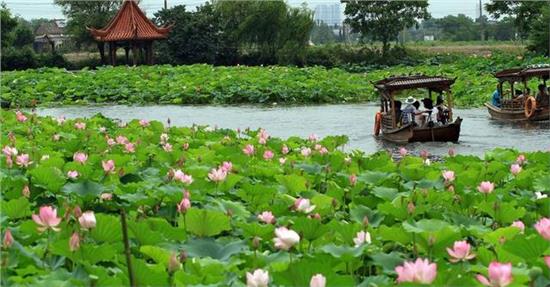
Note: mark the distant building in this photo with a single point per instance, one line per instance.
(428, 37)
(328, 14)
(49, 36)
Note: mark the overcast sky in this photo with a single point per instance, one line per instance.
(29, 9)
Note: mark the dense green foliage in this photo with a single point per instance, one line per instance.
(407, 208)
(204, 84)
(383, 20)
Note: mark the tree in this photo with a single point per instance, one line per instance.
(503, 30)
(524, 13)
(197, 37)
(458, 28)
(7, 25)
(23, 35)
(322, 34)
(83, 14)
(383, 20)
(539, 36)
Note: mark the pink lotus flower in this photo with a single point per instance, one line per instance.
(186, 146)
(20, 117)
(315, 216)
(167, 147)
(285, 238)
(448, 176)
(282, 160)
(184, 205)
(361, 238)
(181, 176)
(353, 179)
(106, 196)
(56, 137)
(80, 125)
(8, 239)
(268, 155)
(130, 147)
(313, 137)
(318, 280)
(317, 147)
(500, 275)
(217, 175)
(111, 142)
(259, 278)
(420, 271)
(303, 205)
(323, 150)
(547, 261)
(122, 140)
(460, 252)
(284, 149)
(102, 129)
(424, 154)
(403, 151)
(26, 192)
(60, 120)
(451, 152)
(108, 166)
(519, 224)
(77, 212)
(144, 123)
(305, 151)
(80, 157)
(74, 242)
(267, 217)
(47, 218)
(87, 220)
(486, 187)
(23, 160)
(515, 169)
(263, 136)
(227, 166)
(9, 151)
(543, 227)
(248, 150)
(164, 138)
(520, 159)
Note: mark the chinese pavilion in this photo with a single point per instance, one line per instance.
(131, 30)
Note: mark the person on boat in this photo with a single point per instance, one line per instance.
(543, 99)
(419, 117)
(496, 98)
(442, 111)
(429, 109)
(398, 113)
(409, 112)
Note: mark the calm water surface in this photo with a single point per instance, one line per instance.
(479, 133)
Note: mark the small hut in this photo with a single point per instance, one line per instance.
(132, 30)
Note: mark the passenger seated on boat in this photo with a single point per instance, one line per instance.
(429, 109)
(419, 117)
(519, 97)
(409, 111)
(496, 98)
(543, 99)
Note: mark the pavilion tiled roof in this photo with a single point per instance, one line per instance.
(130, 23)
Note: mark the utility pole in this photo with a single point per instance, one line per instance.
(481, 22)
(165, 4)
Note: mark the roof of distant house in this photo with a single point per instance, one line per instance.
(53, 27)
(130, 23)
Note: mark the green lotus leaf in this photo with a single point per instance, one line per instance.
(293, 183)
(202, 222)
(345, 253)
(50, 178)
(16, 208)
(208, 247)
(87, 190)
(358, 214)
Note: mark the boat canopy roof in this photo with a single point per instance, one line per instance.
(398, 83)
(520, 74)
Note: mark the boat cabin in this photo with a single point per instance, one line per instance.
(398, 126)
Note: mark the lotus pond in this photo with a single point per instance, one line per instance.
(92, 202)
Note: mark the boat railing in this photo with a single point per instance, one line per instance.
(512, 105)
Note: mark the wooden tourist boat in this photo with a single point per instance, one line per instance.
(389, 126)
(513, 106)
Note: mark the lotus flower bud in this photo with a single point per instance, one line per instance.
(173, 263)
(8, 239)
(74, 242)
(411, 208)
(366, 221)
(183, 256)
(256, 242)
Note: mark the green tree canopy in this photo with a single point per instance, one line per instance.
(383, 20)
(524, 13)
(83, 14)
(7, 25)
(458, 28)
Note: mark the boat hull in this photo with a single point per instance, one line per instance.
(409, 133)
(517, 115)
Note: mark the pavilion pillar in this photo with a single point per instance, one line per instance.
(134, 53)
(127, 53)
(150, 52)
(101, 48)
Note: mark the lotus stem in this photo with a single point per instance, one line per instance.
(127, 247)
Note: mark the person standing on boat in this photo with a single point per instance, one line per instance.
(409, 112)
(496, 98)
